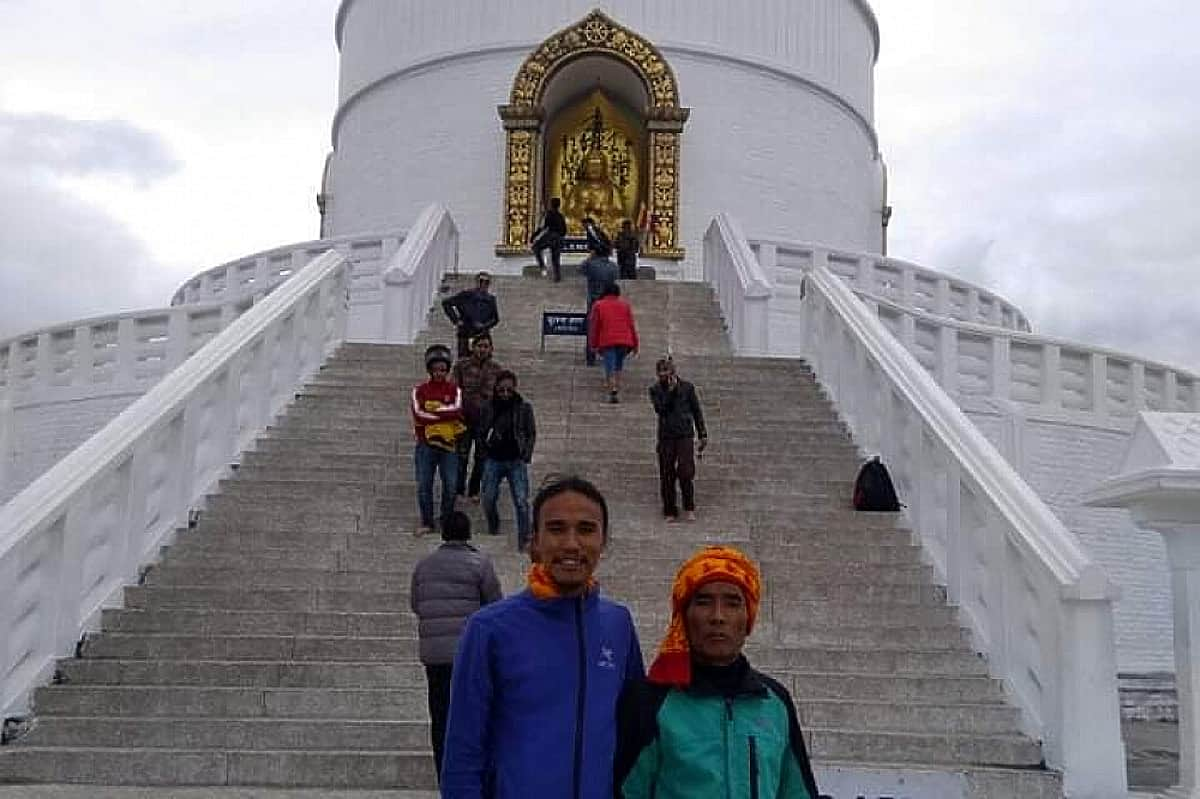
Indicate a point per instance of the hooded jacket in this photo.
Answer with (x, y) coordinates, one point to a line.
(533, 701)
(732, 734)
(496, 417)
(612, 324)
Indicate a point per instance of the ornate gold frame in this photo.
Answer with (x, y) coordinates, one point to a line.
(595, 34)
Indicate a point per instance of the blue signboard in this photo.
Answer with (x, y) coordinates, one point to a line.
(563, 323)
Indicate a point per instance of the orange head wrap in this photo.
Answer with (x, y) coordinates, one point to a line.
(673, 666)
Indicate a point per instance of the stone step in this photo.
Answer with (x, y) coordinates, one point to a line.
(942, 716)
(908, 747)
(182, 767)
(244, 673)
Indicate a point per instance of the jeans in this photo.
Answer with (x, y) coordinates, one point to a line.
(426, 461)
(614, 359)
(469, 487)
(438, 679)
(517, 472)
(677, 461)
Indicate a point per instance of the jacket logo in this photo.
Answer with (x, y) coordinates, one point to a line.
(607, 658)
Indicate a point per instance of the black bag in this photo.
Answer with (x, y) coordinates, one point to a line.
(873, 489)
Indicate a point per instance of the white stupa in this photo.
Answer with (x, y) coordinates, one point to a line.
(763, 109)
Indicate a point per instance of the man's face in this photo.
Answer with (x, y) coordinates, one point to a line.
(717, 622)
(665, 373)
(505, 389)
(482, 349)
(483, 284)
(569, 540)
(438, 371)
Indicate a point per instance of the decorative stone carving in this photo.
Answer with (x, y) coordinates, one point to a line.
(594, 34)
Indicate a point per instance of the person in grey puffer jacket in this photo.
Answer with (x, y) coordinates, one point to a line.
(448, 585)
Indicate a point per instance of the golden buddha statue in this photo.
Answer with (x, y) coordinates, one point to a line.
(594, 194)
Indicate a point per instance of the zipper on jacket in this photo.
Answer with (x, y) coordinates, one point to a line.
(727, 723)
(580, 702)
(753, 768)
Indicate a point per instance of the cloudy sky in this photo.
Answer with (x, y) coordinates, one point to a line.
(1047, 149)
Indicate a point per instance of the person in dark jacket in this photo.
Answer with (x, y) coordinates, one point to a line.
(680, 420)
(704, 723)
(476, 376)
(472, 311)
(549, 236)
(506, 433)
(448, 585)
(600, 272)
(538, 674)
(627, 246)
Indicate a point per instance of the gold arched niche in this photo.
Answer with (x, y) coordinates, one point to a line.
(523, 118)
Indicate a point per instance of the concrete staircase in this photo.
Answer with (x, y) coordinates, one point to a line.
(273, 645)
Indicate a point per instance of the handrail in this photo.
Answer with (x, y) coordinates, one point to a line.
(903, 282)
(1037, 604)
(743, 288)
(78, 533)
(414, 274)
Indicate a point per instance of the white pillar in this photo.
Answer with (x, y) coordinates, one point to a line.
(1183, 557)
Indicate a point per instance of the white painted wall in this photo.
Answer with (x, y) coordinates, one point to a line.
(780, 134)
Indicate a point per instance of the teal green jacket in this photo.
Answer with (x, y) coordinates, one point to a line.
(733, 734)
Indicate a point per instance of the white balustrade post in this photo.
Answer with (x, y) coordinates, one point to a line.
(262, 277)
(1001, 368)
(756, 326)
(44, 363)
(1170, 390)
(947, 359)
(908, 287)
(6, 448)
(126, 351)
(972, 311)
(1051, 376)
(768, 258)
(865, 275)
(85, 357)
(955, 561)
(1137, 386)
(1182, 539)
(1099, 384)
(941, 298)
(179, 336)
(1093, 756)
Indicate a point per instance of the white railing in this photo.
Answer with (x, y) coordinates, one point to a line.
(254, 276)
(77, 534)
(906, 284)
(414, 274)
(120, 352)
(974, 360)
(1036, 604)
(743, 290)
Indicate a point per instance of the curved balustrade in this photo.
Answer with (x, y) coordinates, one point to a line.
(78, 533)
(1036, 603)
(993, 358)
(742, 289)
(256, 275)
(890, 279)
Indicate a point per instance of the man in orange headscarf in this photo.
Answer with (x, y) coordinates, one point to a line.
(704, 723)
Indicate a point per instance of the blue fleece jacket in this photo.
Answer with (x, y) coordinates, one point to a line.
(533, 700)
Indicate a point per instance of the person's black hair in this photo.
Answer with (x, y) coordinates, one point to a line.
(506, 374)
(485, 336)
(662, 363)
(562, 484)
(554, 202)
(611, 290)
(456, 526)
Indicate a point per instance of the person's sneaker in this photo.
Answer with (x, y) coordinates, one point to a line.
(690, 516)
(423, 531)
(671, 519)
(612, 398)
(474, 499)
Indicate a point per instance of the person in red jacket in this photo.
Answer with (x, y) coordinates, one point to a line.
(613, 336)
(437, 416)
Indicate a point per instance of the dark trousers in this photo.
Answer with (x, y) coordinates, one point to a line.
(464, 337)
(438, 678)
(627, 266)
(589, 356)
(677, 462)
(554, 245)
(465, 444)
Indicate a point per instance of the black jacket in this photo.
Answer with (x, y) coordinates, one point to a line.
(473, 309)
(493, 420)
(678, 411)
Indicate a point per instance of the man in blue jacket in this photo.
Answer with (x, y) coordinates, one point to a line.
(537, 676)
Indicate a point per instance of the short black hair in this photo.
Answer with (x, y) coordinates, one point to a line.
(484, 336)
(456, 526)
(562, 484)
(506, 374)
(611, 290)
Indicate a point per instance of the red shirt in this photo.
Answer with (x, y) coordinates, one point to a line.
(612, 324)
(449, 405)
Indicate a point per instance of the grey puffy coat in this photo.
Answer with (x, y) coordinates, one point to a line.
(448, 585)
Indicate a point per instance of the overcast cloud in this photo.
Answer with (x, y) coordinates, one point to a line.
(1046, 150)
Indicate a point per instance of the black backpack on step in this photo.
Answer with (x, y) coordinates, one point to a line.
(873, 489)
